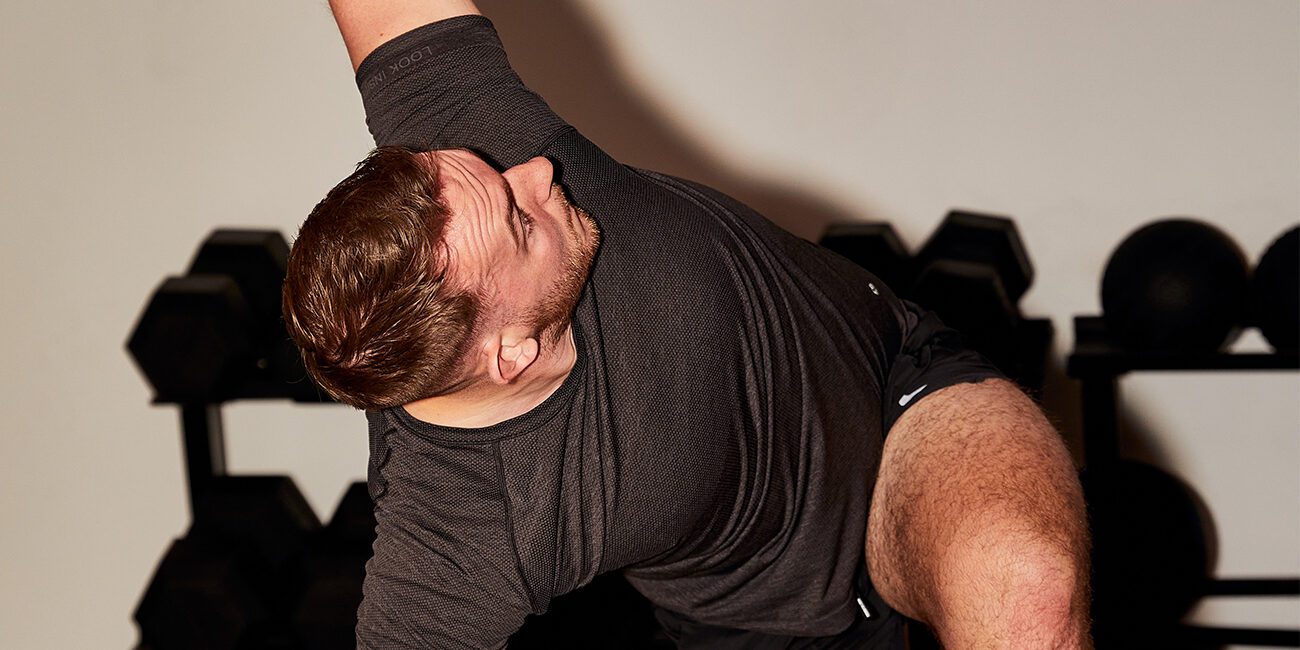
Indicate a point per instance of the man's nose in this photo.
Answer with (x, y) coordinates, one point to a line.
(534, 177)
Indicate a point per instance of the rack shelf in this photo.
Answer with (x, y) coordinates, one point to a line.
(1098, 364)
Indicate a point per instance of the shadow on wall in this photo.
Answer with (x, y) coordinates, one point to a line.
(561, 54)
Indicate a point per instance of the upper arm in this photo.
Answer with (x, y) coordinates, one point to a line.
(449, 85)
(426, 588)
(367, 24)
(967, 465)
(444, 572)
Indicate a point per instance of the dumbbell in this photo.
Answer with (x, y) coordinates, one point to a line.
(201, 596)
(193, 342)
(972, 271)
(334, 569)
(873, 246)
(232, 581)
(216, 333)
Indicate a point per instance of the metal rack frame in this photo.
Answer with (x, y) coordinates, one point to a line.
(1098, 364)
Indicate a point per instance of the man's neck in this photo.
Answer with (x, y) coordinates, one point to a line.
(487, 403)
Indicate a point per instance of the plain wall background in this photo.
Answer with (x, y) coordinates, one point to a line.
(131, 129)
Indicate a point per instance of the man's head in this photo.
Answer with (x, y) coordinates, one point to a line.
(425, 273)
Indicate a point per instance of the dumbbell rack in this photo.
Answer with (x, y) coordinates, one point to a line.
(204, 440)
(1098, 364)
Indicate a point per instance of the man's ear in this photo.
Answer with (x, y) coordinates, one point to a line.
(514, 352)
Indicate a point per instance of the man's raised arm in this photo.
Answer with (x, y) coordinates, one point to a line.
(367, 24)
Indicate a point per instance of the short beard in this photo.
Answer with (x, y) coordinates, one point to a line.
(553, 316)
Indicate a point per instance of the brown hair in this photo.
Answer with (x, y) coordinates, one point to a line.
(367, 296)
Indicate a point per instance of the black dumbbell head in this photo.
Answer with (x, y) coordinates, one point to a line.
(1175, 285)
(982, 239)
(326, 614)
(267, 524)
(257, 260)
(354, 518)
(193, 342)
(200, 597)
(969, 297)
(873, 246)
(333, 570)
(264, 516)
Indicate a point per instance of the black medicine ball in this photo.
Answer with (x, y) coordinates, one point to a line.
(1175, 285)
(1153, 545)
(1275, 292)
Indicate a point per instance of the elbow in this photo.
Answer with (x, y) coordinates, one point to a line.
(1039, 581)
(1011, 591)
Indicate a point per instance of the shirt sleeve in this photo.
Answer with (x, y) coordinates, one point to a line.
(933, 356)
(449, 85)
(444, 573)
(417, 596)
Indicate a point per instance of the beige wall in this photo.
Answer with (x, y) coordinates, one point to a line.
(130, 129)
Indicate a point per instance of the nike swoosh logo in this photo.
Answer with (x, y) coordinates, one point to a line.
(908, 397)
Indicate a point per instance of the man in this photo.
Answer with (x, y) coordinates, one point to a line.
(572, 367)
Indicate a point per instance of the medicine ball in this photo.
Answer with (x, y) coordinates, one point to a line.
(1175, 285)
(1153, 546)
(1275, 292)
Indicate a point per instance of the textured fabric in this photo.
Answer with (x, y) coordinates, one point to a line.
(718, 437)
(882, 630)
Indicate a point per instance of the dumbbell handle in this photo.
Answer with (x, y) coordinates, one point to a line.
(205, 447)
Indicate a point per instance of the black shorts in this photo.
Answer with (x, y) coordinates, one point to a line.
(933, 356)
